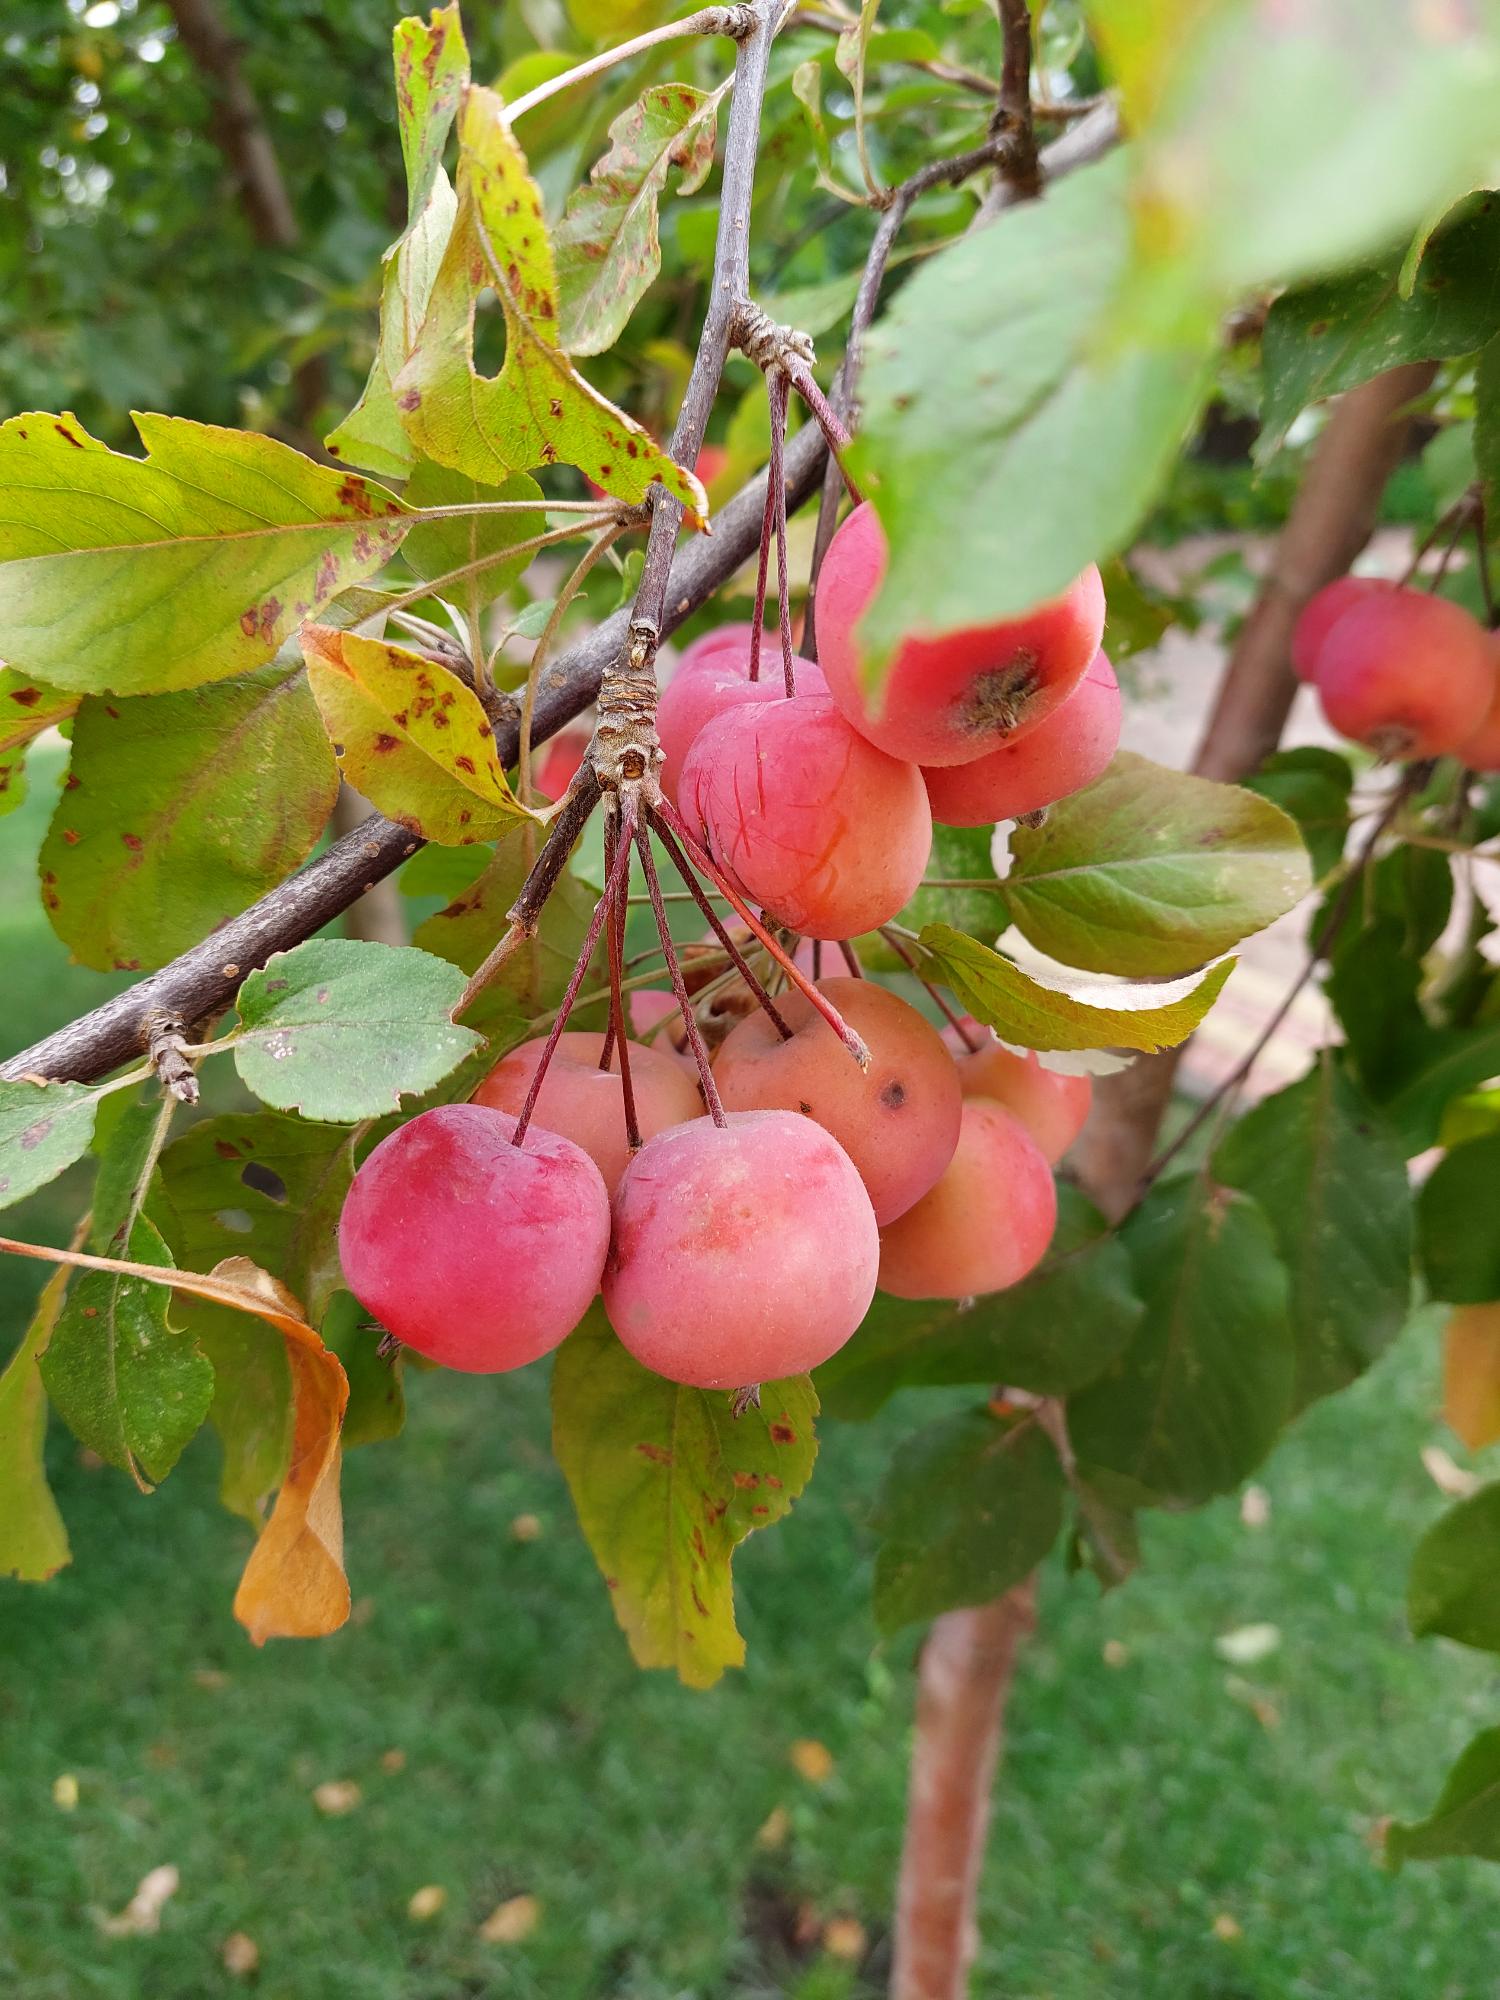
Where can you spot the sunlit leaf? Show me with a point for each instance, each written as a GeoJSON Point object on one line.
{"type": "Point", "coordinates": [27, 707]}
{"type": "Point", "coordinates": [33, 1539]}
{"type": "Point", "coordinates": [433, 548]}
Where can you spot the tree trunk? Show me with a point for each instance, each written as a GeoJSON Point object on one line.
{"type": "Point", "coordinates": [1330, 522]}
{"type": "Point", "coordinates": [963, 1679]}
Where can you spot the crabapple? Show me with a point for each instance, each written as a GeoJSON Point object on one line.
{"type": "Point", "coordinates": [586, 1103]}
{"type": "Point", "coordinates": [811, 821]}
{"type": "Point", "coordinates": [478, 1253]}
{"type": "Point", "coordinates": [955, 696]}
{"type": "Point", "coordinates": [1068, 750]}
{"type": "Point", "coordinates": [720, 681]}
{"type": "Point", "coordinates": [649, 1007]}
{"type": "Point", "coordinates": [986, 1223]}
{"type": "Point", "coordinates": [1051, 1106]}
{"type": "Point", "coordinates": [741, 1252]}
{"type": "Point", "coordinates": [1481, 751]}
{"type": "Point", "coordinates": [898, 1120]}
{"type": "Point", "coordinates": [1406, 674]}
{"type": "Point", "coordinates": [1322, 612]}
{"type": "Point", "coordinates": [732, 638]}
{"type": "Point", "coordinates": [560, 763]}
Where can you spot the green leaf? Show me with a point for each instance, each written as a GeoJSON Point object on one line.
{"type": "Point", "coordinates": [1051, 1334]}
{"type": "Point", "coordinates": [1487, 428]}
{"type": "Point", "coordinates": [258, 1185]}
{"type": "Point", "coordinates": [27, 707]}
{"type": "Point", "coordinates": [667, 1484]}
{"type": "Point", "coordinates": [1337, 332]}
{"type": "Point", "coordinates": [1449, 1063]}
{"type": "Point", "coordinates": [132, 576]}
{"type": "Point", "coordinates": [1333, 1186]}
{"type": "Point", "coordinates": [433, 548]}
{"type": "Point", "coordinates": [179, 811]}
{"type": "Point", "coordinates": [1451, 1591]}
{"type": "Point", "coordinates": [1275, 142]}
{"type": "Point", "coordinates": [969, 1507]}
{"type": "Point", "coordinates": [1151, 871]}
{"type": "Point", "coordinates": [1466, 1818]}
{"type": "Point", "coordinates": [128, 1385]}
{"type": "Point", "coordinates": [960, 854]}
{"type": "Point", "coordinates": [33, 1539]}
{"type": "Point", "coordinates": [464, 932]}
{"type": "Point", "coordinates": [1457, 1215]}
{"type": "Point", "coordinates": [1312, 785]}
{"type": "Point", "coordinates": [342, 1030]}
{"type": "Point", "coordinates": [432, 67]}
{"type": "Point", "coordinates": [538, 410]}
{"type": "Point", "coordinates": [1071, 1014]}
{"type": "Point", "coordinates": [1196, 1402]}
{"type": "Point", "coordinates": [607, 249]}
{"type": "Point", "coordinates": [410, 736]}
{"type": "Point", "coordinates": [44, 1127]}
{"type": "Point", "coordinates": [377, 1398]}
{"type": "Point", "coordinates": [1008, 443]}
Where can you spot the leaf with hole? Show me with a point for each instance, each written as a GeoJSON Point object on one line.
{"type": "Point", "coordinates": [138, 575]}
{"type": "Point", "coordinates": [667, 1483]}
{"type": "Point", "coordinates": [179, 811]}
{"type": "Point", "coordinates": [340, 1029]}
{"type": "Point", "coordinates": [1153, 872]}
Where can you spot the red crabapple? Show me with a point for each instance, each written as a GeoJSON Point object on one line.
{"type": "Point", "coordinates": [1068, 750]}
{"type": "Point", "coordinates": [956, 695]}
{"type": "Point", "coordinates": [560, 761]}
{"type": "Point", "coordinates": [722, 681]}
{"type": "Point", "coordinates": [649, 1007]}
{"type": "Point", "coordinates": [478, 1253]}
{"type": "Point", "coordinates": [585, 1103]}
{"type": "Point", "coordinates": [731, 638]}
{"type": "Point", "coordinates": [1406, 674]}
{"type": "Point", "coordinates": [1051, 1106]}
{"type": "Point", "coordinates": [898, 1121]}
{"type": "Point", "coordinates": [1322, 612]}
{"type": "Point", "coordinates": [986, 1224]}
{"type": "Point", "coordinates": [741, 1253]}
{"type": "Point", "coordinates": [1481, 751]}
{"type": "Point", "coordinates": [811, 821]}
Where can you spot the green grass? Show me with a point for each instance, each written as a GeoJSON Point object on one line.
{"type": "Point", "coordinates": [1146, 1791]}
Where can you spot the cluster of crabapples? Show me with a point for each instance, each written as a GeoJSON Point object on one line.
{"type": "Point", "coordinates": [770, 1195]}
{"type": "Point", "coordinates": [1407, 674]}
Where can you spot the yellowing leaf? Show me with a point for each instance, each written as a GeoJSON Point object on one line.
{"type": "Point", "coordinates": [33, 1540]}
{"type": "Point", "coordinates": [511, 1922]}
{"type": "Point", "coordinates": [1471, 1374]}
{"type": "Point", "coordinates": [538, 410]}
{"type": "Point", "coordinates": [27, 707]}
{"type": "Point", "coordinates": [136, 575]}
{"type": "Point", "coordinates": [607, 247]}
{"type": "Point", "coordinates": [410, 736]}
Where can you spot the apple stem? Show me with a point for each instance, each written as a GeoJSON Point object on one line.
{"type": "Point", "coordinates": [679, 985]}
{"type": "Point", "coordinates": [763, 562]}
{"type": "Point", "coordinates": [615, 1031]}
{"type": "Point", "coordinates": [716, 923]}
{"type": "Point", "coordinates": [851, 958]}
{"type": "Point", "coordinates": [776, 391]}
{"type": "Point", "coordinates": [614, 886]}
{"type": "Point", "coordinates": [663, 814]}
{"type": "Point", "coordinates": [909, 958]}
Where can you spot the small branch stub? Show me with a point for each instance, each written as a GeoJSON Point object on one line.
{"type": "Point", "coordinates": [167, 1051]}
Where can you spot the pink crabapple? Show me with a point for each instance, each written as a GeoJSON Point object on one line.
{"type": "Point", "coordinates": [985, 1225]}
{"type": "Point", "coordinates": [1051, 1106]}
{"type": "Point", "coordinates": [1069, 749]}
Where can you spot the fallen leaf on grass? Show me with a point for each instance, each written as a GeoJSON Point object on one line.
{"type": "Point", "coordinates": [844, 1937]}
{"type": "Point", "coordinates": [426, 1902]}
{"type": "Point", "coordinates": [65, 1792]}
{"type": "Point", "coordinates": [511, 1922]}
{"type": "Point", "coordinates": [337, 1796]}
{"type": "Point", "coordinates": [811, 1760]}
{"type": "Point", "coordinates": [141, 1916]}
{"type": "Point", "coordinates": [1447, 1476]}
{"type": "Point", "coordinates": [1247, 1644]}
{"type": "Point", "coordinates": [774, 1829]}
{"type": "Point", "coordinates": [241, 1955]}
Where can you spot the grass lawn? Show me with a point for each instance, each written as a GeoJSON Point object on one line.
{"type": "Point", "coordinates": [1169, 1826]}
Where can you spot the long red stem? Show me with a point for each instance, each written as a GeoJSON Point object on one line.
{"type": "Point", "coordinates": [776, 390]}
{"type": "Point", "coordinates": [618, 913]}
{"type": "Point", "coordinates": [736, 957]}
{"type": "Point", "coordinates": [679, 984]}
{"type": "Point", "coordinates": [935, 995]}
{"type": "Point", "coordinates": [663, 814]}
{"type": "Point", "coordinates": [614, 886]}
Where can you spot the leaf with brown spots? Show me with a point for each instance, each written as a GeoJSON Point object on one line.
{"type": "Point", "coordinates": [410, 736]}
{"type": "Point", "coordinates": [607, 247]}
{"type": "Point", "coordinates": [44, 1128]}
{"type": "Point", "coordinates": [27, 707]}
{"type": "Point", "coordinates": [139, 575]}
{"type": "Point", "coordinates": [180, 810]}
{"type": "Point", "coordinates": [293, 1586]}
{"type": "Point", "coordinates": [538, 410]}
{"type": "Point", "coordinates": [432, 66]}
{"type": "Point", "coordinates": [667, 1483]}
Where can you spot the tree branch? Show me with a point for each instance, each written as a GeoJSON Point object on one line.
{"type": "Point", "coordinates": [1013, 118]}
{"type": "Point", "coordinates": [204, 981]}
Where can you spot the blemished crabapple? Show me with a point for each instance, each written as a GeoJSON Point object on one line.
{"type": "Point", "coordinates": [898, 1121]}
{"type": "Point", "coordinates": [1322, 612]}
{"type": "Point", "coordinates": [958, 695]}
{"type": "Point", "coordinates": [985, 1225]}
{"type": "Point", "coordinates": [809, 819]}
{"type": "Point", "coordinates": [741, 1253]}
{"type": "Point", "coordinates": [693, 698]}
{"type": "Point", "coordinates": [1068, 750]}
{"type": "Point", "coordinates": [478, 1253]}
{"type": "Point", "coordinates": [1406, 674]}
{"type": "Point", "coordinates": [586, 1103]}
{"type": "Point", "coordinates": [1051, 1106]}
{"type": "Point", "coordinates": [1481, 751]}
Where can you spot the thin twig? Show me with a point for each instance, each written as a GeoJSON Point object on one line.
{"type": "Point", "coordinates": [679, 984]}
{"type": "Point", "coordinates": [716, 923]}
{"type": "Point", "coordinates": [935, 994]}
{"type": "Point", "coordinates": [735, 22]}
{"type": "Point", "coordinates": [543, 648]}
